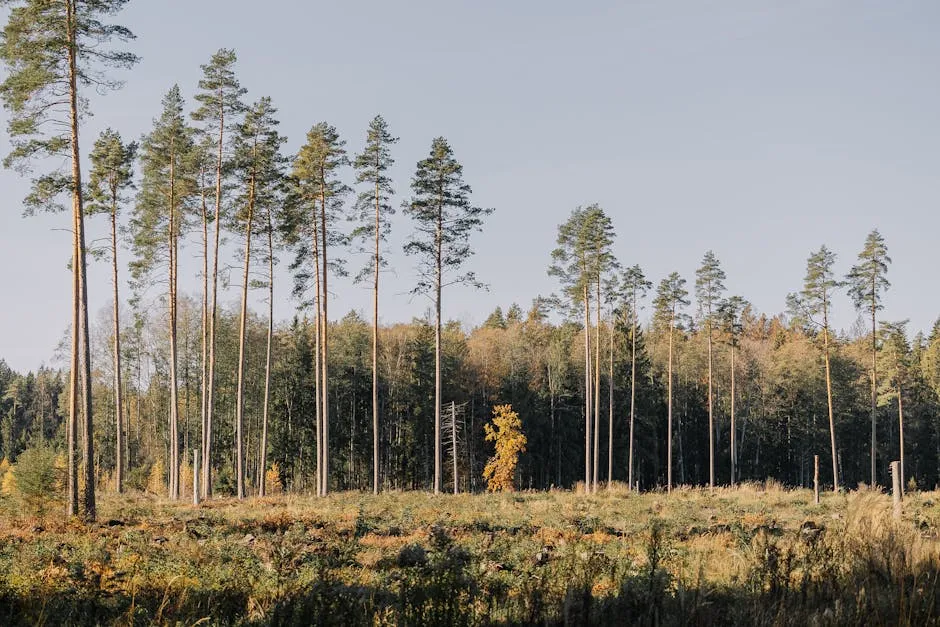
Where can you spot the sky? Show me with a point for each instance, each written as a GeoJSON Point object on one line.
{"type": "Point", "coordinates": [758, 129]}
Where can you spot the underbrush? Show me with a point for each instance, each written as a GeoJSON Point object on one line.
{"type": "Point", "coordinates": [750, 555]}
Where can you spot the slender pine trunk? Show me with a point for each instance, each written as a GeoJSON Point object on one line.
{"type": "Point", "coordinates": [734, 443]}
{"type": "Point", "coordinates": [324, 344]}
{"type": "Point", "coordinates": [375, 343]}
{"type": "Point", "coordinates": [242, 326]}
{"type": "Point", "coordinates": [213, 319]}
{"type": "Point", "coordinates": [610, 414]}
{"type": "Point", "coordinates": [203, 409]}
{"type": "Point", "coordinates": [438, 243]}
{"type": "Point", "coordinates": [587, 391]}
{"type": "Point", "coordinates": [832, 427]}
{"type": "Point", "coordinates": [118, 390]}
{"type": "Point", "coordinates": [874, 386]}
{"type": "Point", "coordinates": [263, 457]}
{"type": "Point", "coordinates": [597, 383]}
{"type": "Point", "coordinates": [901, 435]}
{"type": "Point", "coordinates": [669, 408]}
{"type": "Point", "coordinates": [173, 246]}
{"type": "Point", "coordinates": [711, 419]}
{"type": "Point", "coordinates": [317, 321]}
{"type": "Point", "coordinates": [632, 391]}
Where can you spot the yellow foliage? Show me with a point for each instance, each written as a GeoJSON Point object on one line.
{"type": "Point", "coordinates": [506, 432]}
{"type": "Point", "coordinates": [8, 483]}
{"type": "Point", "coordinates": [4, 466]}
{"type": "Point", "coordinates": [272, 480]}
{"type": "Point", "coordinates": [155, 482]}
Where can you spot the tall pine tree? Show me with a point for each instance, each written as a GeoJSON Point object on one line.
{"type": "Point", "coordinates": [670, 299]}
{"type": "Point", "coordinates": [709, 285]}
{"type": "Point", "coordinates": [444, 220]}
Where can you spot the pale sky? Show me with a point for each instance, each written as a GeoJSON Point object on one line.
{"type": "Point", "coordinates": [758, 129]}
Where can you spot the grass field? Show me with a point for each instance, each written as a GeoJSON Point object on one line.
{"type": "Point", "coordinates": [750, 555]}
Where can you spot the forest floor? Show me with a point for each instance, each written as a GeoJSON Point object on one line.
{"type": "Point", "coordinates": [746, 555]}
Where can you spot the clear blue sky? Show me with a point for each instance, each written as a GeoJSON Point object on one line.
{"type": "Point", "coordinates": [758, 129]}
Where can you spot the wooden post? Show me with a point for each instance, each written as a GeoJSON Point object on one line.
{"type": "Point", "coordinates": [816, 479]}
{"type": "Point", "coordinates": [896, 487]}
{"type": "Point", "coordinates": [195, 477]}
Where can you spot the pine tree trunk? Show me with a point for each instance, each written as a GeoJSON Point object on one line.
{"type": "Point", "coordinates": [204, 414]}
{"type": "Point", "coordinates": [669, 409]}
{"type": "Point", "coordinates": [734, 443]}
{"type": "Point", "coordinates": [118, 390]}
{"type": "Point", "coordinates": [901, 436]}
{"type": "Point", "coordinates": [71, 506]}
{"type": "Point", "coordinates": [597, 383]}
{"type": "Point", "coordinates": [375, 348]}
{"type": "Point", "coordinates": [173, 246]}
{"type": "Point", "coordinates": [874, 387]}
{"type": "Point", "coordinates": [439, 236]}
{"type": "Point", "coordinates": [263, 457]}
{"type": "Point", "coordinates": [213, 319]}
{"type": "Point", "coordinates": [832, 427]}
{"type": "Point", "coordinates": [242, 326]}
{"type": "Point", "coordinates": [711, 420]}
{"type": "Point", "coordinates": [610, 414]}
{"type": "Point", "coordinates": [324, 343]}
{"type": "Point", "coordinates": [587, 391]}
{"type": "Point", "coordinates": [632, 390]}
{"type": "Point", "coordinates": [80, 283]}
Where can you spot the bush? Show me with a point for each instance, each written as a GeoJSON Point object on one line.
{"type": "Point", "coordinates": [36, 478]}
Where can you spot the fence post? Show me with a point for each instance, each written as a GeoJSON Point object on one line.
{"type": "Point", "coordinates": [816, 479]}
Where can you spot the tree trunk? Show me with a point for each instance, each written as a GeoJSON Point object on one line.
{"type": "Point", "coordinates": [632, 390]}
{"type": "Point", "coordinates": [172, 244]}
{"type": "Point", "coordinates": [832, 427]}
{"type": "Point", "coordinates": [711, 419]}
{"type": "Point", "coordinates": [317, 321]}
{"type": "Point", "coordinates": [874, 387]}
{"type": "Point", "coordinates": [324, 343]}
{"type": "Point", "coordinates": [734, 443]}
{"type": "Point", "coordinates": [439, 235]}
{"type": "Point", "coordinates": [80, 287]}
{"type": "Point", "coordinates": [375, 346]}
{"type": "Point", "coordinates": [213, 319]}
{"type": "Point", "coordinates": [669, 409]}
{"type": "Point", "coordinates": [118, 400]}
{"type": "Point", "coordinates": [204, 379]}
{"type": "Point", "coordinates": [263, 457]}
{"type": "Point", "coordinates": [242, 325]}
{"type": "Point", "coordinates": [597, 383]}
{"type": "Point", "coordinates": [587, 391]}
{"type": "Point", "coordinates": [901, 436]}
{"type": "Point", "coordinates": [610, 414]}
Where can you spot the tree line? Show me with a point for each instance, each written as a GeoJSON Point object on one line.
{"type": "Point", "coordinates": [724, 395]}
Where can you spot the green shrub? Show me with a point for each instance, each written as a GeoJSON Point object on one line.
{"type": "Point", "coordinates": [36, 478]}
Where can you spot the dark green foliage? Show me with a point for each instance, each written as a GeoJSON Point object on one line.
{"type": "Point", "coordinates": [37, 479]}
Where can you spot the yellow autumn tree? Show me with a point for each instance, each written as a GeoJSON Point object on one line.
{"type": "Point", "coordinates": [505, 431]}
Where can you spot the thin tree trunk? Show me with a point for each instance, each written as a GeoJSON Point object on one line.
{"type": "Point", "coordinates": [324, 343]}
{"type": "Point", "coordinates": [172, 243]}
{"type": "Point", "coordinates": [901, 436]}
{"type": "Point", "coordinates": [118, 400]}
{"type": "Point", "coordinates": [453, 439]}
{"type": "Point", "coordinates": [437, 346]}
{"type": "Point", "coordinates": [597, 383]}
{"type": "Point", "coordinates": [610, 415]}
{"type": "Point", "coordinates": [80, 284]}
{"type": "Point", "coordinates": [213, 320]}
{"type": "Point", "coordinates": [204, 414]}
{"type": "Point", "coordinates": [242, 325]}
{"type": "Point", "coordinates": [734, 443]}
{"type": "Point", "coordinates": [874, 387]}
{"type": "Point", "coordinates": [71, 507]}
{"type": "Point", "coordinates": [375, 346]}
{"type": "Point", "coordinates": [669, 409]}
{"type": "Point", "coordinates": [711, 420]}
{"type": "Point", "coordinates": [832, 427]}
{"type": "Point", "coordinates": [587, 391]}
{"type": "Point", "coordinates": [632, 390]}
{"type": "Point", "coordinates": [263, 462]}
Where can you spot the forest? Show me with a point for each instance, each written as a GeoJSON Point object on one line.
{"type": "Point", "coordinates": [665, 383]}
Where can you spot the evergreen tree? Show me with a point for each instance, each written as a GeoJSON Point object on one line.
{"type": "Point", "coordinates": [897, 358]}
{"type": "Point", "coordinates": [583, 251]}
{"type": "Point", "coordinates": [867, 282]}
{"type": "Point", "coordinates": [373, 207]}
{"type": "Point", "coordinates": [52, 51]}
{"type": "Point", "coordinates": [259, 168]}
{"type": "Point", "coordinates": [169, 167]}
{"type": "Point", "coordinates": [634, 287]}
{"type": "Point", "coordinates": [220, 105]}
{"type": "Point", "coordinates": [320, 196]}
{"type": "Point", "coordinates": [112, 171]}
{"type": "Point", "coordinates": [729, 314]}
{"type": "Point", "coordinates": [813, 305]}
{"type": "Point", "coordinates": [670, 298]}
{"type": "Point", "coordinates": [444, 220]}
{"type": "Point", "coordinates": [709, 285]}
